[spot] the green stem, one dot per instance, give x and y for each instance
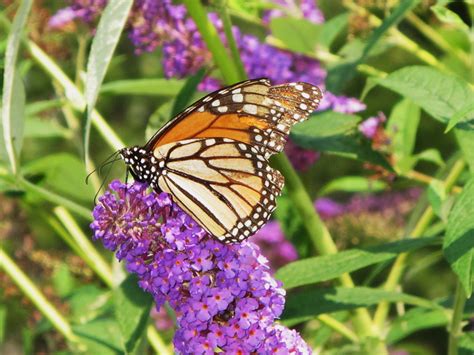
(339, 327)
(302, 202)
(433, 35)
(455, 327)
(421, 226)
(55, 198)
(37, 298)
(93, 258)
(210, 36)
(399, 38)
(80, 59)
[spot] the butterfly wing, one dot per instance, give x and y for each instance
(252, 112)
(227, 186)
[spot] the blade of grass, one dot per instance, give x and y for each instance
(13, 99)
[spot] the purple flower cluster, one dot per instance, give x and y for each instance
(82, 10)
(223, 295)
(372, 125)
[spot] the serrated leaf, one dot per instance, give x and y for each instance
(464, 114)
(441, 95)
(336, 133)
(458, 246)
(132, 308)
(298, 35)
(402, 127)
(13, 94)
(103, 46)
(338, 75)
(352, 184)
(309, 303)
(327, 267)
(152, 87)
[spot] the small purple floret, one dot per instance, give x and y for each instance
(223, 295)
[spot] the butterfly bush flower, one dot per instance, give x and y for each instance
(223, 295)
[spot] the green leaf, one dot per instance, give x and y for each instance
(152, 87)
(186, 93)
(37, 107)
(436, 195)
(64, 174)
(449, 17)
(465, 138)
(298, 35)
(63, 281)
(132, 308)
(402, 127)
(101, 336)
(36, 127)
(3, 322)
(458, 246)
(341, 73)
(13, 94)
(352, 184)
(332, 28)
(414, 320)
(430, 155)
(87, 303)
(464, 114)
(336, 133)
(466, 344)
(327, 267)
(309, 303)
(441, 95)
(103, 46)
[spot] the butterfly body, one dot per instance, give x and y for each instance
(212, 158)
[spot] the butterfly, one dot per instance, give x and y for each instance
(213, 157)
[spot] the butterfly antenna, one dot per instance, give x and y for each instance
(110, 164)
(105, 162)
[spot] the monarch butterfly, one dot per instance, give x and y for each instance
(212, 157)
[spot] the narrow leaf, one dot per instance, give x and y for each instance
(103, 46)
(13, 100)
(132, 308)
(336, 133)
(414, 320)
(151, 87)
(352, 184)
(464, 114)
(327, 267)
(402, 127)
(458, 246)
(328, 300)
(186, 93)
(341, 73)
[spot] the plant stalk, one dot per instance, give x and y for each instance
(455, 327)
(37, 298)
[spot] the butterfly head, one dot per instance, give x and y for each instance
(141, 163)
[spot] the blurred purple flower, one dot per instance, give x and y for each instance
(302, 8)
(83, 10)
(274, 246)
(223, 295)
(372, 125)
(301, 159)
(329, 208)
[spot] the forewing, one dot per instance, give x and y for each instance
(227, 186)
(251, 112)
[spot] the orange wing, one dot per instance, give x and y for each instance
(252, 112)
